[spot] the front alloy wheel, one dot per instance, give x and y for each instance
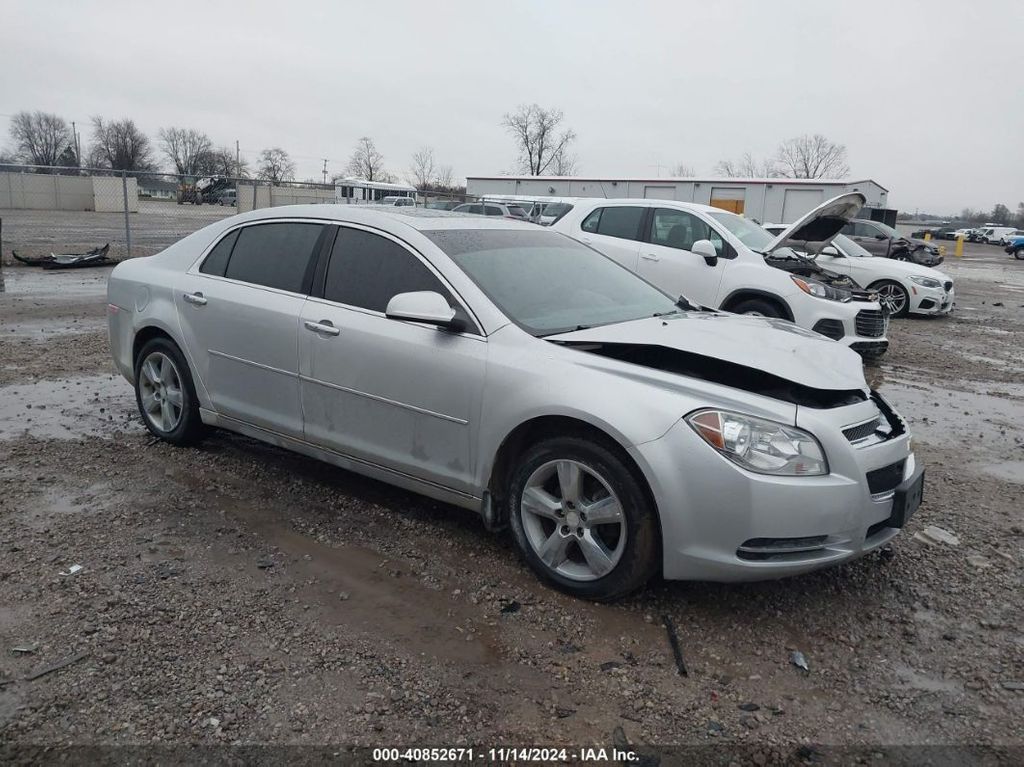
(894, 298)
(581, 518)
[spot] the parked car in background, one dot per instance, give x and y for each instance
(226, 197)
(903, 287)
(935, 232)
(977, 233)
(398, 201)
(965, 233)
(1015, 247)
(442, 205)
(882, 240)
(508, 210)
(1008, 236)
(724, 261)
(995, 235)
(512, 371)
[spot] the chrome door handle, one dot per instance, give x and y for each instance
(195, 298)
(650, 256)
(324, 326)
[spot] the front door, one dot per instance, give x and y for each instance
(395, 393)
(667, 261)
(239, 314)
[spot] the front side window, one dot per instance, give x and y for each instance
(547, 283)
(367, 270)
(679, 229)
(274, 255)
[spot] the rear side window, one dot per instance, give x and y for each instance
(492, 210)
(274, 255)
(621, 222)
(368, 270)
(217, 259)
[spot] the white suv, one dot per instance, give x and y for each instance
(720, 260)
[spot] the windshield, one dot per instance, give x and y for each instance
(849, 247)
(887, 230)
(749, 233)
(547, 283)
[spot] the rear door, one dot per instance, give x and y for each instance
(239, 315)
(393, 393)
(614, 230)
(666, 258)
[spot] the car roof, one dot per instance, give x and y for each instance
(421, 219)
(646, 202)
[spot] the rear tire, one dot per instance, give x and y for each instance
(758, 307)
(165, 394)
(563, 480)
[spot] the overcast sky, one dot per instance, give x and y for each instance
(926, 96)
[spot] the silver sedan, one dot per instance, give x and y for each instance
(618, 431)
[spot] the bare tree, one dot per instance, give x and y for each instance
(564, 164)
(187, 148)
(41, 138)
(366, 162)
(444, 177)
(222, 162)
(812, 157)
(120, 145)
(423, 173)
(276, 165)
(1000, 214)
(682, 170)
(535, 130)
(8, 160)
(747, 167)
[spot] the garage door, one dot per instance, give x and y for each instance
(660, 192)
(800, 201)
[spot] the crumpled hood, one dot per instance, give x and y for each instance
(777, 347)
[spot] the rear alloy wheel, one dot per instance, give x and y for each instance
(1019, 253)
(758, 307)
(893, 297)
(165, 394)
(581, 520)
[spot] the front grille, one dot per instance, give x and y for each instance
(831, 328)
(886, 479)
(860, 431)
(948, 285)
(870, 323)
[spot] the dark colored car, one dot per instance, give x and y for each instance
(882, 240)
(442, 204)
(942, 233)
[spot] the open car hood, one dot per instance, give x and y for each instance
(823, 223)
(757, 354)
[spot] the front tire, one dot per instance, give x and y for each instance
(1019, 253)
(581, 519)
(165, 394)
(894, 297)
(758, 307)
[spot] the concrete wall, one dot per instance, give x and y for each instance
(767, 200)
(38, 191)
(272, 197)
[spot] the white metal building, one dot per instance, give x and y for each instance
(779, 200)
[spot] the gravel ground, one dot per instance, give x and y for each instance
(236, 593)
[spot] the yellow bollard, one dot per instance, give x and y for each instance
(927, 236)
(959, 251)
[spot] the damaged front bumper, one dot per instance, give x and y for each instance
(932, 301)
(721, 522)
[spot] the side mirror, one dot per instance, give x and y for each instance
(831, 250)
(424, 306)
(707, 250)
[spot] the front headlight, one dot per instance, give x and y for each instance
(821, 290)
(761, 446)
(926, 282)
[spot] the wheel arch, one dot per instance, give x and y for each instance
(533, 430)
(742, 294)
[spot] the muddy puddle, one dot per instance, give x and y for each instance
(91, 406)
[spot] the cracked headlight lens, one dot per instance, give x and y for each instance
(926, 282)
(759, 445)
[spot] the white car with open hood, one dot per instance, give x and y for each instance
(903, 287)
(505, 368)
(724, 261)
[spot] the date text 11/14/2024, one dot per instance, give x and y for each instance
(504, 754)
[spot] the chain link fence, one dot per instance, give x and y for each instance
(63, 211)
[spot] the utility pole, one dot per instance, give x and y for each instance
(238, 161)
(78, 146)
(325, 171)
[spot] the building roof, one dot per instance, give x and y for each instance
(684, 179)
